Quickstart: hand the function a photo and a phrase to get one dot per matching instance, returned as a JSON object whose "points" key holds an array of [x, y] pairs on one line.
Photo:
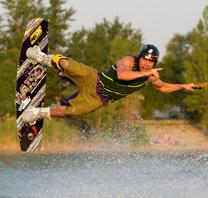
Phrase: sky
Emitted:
{"points": [[158, 20]]}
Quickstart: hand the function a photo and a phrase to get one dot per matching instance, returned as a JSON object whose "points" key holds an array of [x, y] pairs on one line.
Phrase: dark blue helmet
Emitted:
{"points": [[149, 52]]}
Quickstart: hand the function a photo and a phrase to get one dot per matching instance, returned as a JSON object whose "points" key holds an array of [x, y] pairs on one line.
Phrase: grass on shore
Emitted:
{"points": [[58, 132], [55, 131]]}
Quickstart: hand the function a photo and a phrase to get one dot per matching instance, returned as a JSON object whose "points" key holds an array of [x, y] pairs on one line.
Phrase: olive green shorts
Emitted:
{"points": [[85, 78]]}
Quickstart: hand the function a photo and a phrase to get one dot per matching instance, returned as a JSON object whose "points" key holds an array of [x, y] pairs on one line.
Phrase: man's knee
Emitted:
{"points": [[63, 63]]}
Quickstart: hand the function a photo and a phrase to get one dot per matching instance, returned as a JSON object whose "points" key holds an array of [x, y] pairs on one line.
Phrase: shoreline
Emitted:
{"points": [[86, 147], [187, 138]]}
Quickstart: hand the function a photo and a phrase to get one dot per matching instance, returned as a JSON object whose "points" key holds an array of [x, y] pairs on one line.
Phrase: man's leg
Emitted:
{"points": [[58, 111], [31, 114], [83, 76]]}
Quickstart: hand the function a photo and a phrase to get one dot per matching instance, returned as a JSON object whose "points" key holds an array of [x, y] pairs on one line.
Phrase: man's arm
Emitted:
{"points": [[124, 70], [168, 88]]}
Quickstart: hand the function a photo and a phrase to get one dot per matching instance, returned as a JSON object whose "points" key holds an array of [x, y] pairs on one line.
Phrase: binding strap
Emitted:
{"points": [[56, 58]]}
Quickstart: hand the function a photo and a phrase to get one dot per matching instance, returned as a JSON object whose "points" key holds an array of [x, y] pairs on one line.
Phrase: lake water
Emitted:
{"points": [[99, 175]]}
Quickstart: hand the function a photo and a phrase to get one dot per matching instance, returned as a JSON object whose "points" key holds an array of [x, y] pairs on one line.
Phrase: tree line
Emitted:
{"points": [[186, 60]]}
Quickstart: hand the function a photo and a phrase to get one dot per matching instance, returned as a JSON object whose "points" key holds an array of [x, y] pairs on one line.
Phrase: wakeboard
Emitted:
{"points": [[31, 85]]}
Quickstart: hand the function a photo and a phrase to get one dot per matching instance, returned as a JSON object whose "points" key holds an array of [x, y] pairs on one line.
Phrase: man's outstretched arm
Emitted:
{"points": [[168, 87]]}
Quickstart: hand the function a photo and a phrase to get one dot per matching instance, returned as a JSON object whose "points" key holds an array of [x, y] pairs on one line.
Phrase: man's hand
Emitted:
{"points": [[153, 74], [189, 87]]}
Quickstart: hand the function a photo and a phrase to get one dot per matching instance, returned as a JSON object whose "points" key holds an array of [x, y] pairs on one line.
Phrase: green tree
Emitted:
{"points": [[59, 17], [102, 45], [17, 14], [197, 68], [77, 45]]}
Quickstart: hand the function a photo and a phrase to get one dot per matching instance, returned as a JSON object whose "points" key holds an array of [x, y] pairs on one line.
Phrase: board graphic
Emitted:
{"points": [[31, 85]]}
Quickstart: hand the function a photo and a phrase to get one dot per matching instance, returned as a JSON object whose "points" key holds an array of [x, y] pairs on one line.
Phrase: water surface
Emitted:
{"points": [[99, 175]]}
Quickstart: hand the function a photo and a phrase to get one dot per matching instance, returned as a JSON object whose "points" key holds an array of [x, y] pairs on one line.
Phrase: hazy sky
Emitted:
{"points": [[157, 19]]}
